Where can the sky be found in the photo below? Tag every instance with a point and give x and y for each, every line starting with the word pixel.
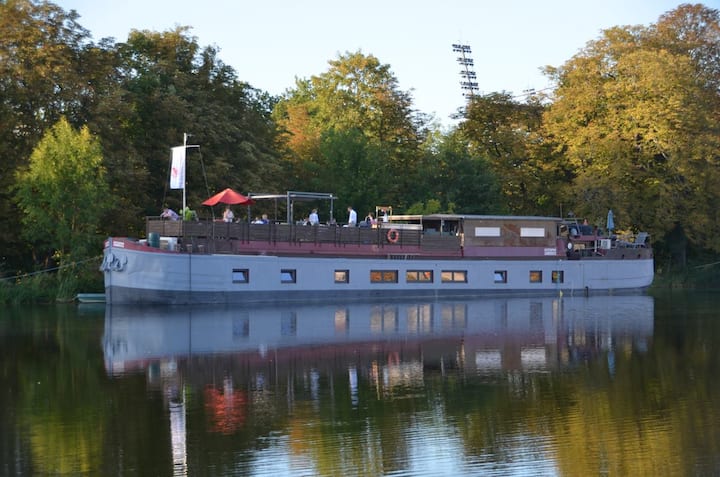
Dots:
pixel 271 43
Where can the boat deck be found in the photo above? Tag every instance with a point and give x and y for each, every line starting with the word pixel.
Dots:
pixel 222 237
pixel 385 240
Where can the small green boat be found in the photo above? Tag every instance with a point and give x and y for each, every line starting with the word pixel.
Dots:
pixel 90 297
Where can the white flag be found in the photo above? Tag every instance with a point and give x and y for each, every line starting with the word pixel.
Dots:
pixel 177 171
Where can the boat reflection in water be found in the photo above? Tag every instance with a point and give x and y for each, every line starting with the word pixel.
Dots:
pixel 234 355
pixel 492 334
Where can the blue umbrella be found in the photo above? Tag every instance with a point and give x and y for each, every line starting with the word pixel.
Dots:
pixel 610 221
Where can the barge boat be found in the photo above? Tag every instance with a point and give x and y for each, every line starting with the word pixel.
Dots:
pixel 439 255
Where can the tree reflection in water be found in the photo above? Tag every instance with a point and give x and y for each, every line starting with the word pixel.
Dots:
pixel 554 386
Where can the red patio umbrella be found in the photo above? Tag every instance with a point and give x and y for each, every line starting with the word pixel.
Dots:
pixel 229 196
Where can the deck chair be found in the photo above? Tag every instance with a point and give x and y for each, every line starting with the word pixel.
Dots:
pixel 640 239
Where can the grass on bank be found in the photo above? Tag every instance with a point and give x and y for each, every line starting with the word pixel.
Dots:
pixel 701 277
pixel 58 285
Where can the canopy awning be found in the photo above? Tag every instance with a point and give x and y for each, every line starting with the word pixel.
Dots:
pixel 291 196
pixel 229 196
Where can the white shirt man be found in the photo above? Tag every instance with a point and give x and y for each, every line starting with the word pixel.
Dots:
pixel 352 217
pixel 314 219
pixel 228 215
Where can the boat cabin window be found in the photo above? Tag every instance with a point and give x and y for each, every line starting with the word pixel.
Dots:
pixel 500 276
pixel 288 276
pixel 558 276
pixel 240 275
pixel 446 227
pixel 487 231
pixel 453 276
pixel 342 276
pixel 425 276
pixel 383 276
pixel 535 276
pixel 532 232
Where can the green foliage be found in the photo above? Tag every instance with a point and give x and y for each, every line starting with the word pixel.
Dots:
pixel 632 126
pixel 508 135
pixel 467 179
pixel 358 92
pixel 355 166
pixel 432 206
pixel 357 101
pixel 40 288
pixel 63 193
pixel 139 97
pixel 43 76
pixel 635 116
pixel 174 87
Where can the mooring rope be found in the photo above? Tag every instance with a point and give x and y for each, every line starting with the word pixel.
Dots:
pixel 24 275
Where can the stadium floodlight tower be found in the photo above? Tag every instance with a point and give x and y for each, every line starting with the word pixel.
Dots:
pixel 468 83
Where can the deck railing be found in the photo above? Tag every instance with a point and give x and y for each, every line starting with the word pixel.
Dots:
pixel 221 237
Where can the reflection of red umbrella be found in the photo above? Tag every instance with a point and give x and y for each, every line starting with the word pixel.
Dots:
pixel 226 409
pixel 229 196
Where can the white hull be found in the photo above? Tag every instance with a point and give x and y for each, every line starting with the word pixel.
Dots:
pixel 143 275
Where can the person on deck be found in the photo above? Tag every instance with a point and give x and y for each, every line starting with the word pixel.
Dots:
pixel 168 213
pixel 228 215
pixel 352 217
pixel 314 219
pixel 189 214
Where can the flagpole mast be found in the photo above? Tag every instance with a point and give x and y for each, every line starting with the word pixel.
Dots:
pixel 184 178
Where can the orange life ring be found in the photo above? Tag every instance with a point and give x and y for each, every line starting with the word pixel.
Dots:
pixel 393 236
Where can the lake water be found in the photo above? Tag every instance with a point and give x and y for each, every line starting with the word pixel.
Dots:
pixel 563 386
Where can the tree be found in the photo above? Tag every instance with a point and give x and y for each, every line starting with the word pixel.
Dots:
pixel 692 31
pixel 452 179
pixel 635 117
pixel 470 184
pixel 169 86
pixel 355 166
pixel 508 135
pixel 43 53
pixel 63 195
pixel 360 94
pixel 139 96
